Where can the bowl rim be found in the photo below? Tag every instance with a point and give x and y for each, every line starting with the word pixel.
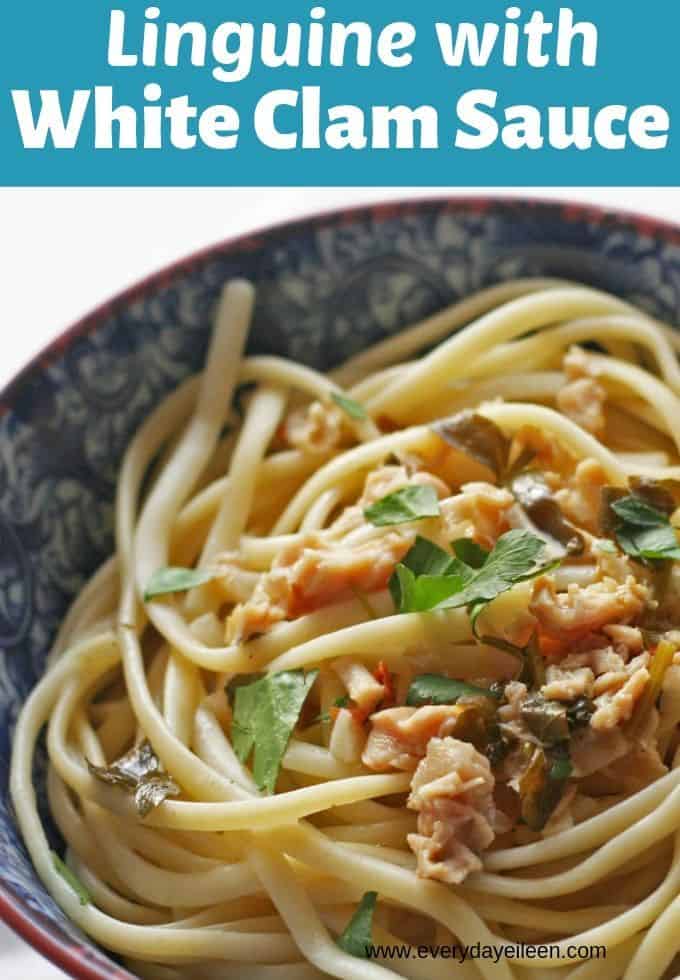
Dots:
pixel 31 925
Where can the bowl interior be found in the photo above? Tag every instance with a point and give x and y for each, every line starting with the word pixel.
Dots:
pixel 327 287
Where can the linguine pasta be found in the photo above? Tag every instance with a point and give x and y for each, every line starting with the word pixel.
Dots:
pixel 383 655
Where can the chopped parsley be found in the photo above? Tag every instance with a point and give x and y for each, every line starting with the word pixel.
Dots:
pixel 408 504
pixel 343 702
pixel 429 579
pixel 357 936
pixel 560 769
pixel 175 579
pixel 469 552
pixel 71 879
pixel 644 532
pixel 351 408
pixel 265 714
pixel 436 689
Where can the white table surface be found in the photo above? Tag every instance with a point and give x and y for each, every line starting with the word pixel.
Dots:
pixel 64 251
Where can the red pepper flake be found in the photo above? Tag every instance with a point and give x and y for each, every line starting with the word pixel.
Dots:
pixel 384 677
pixel 359 714
pixel 387 424
pixel 280 440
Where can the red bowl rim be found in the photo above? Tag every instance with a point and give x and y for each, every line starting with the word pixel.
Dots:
pixel 33 926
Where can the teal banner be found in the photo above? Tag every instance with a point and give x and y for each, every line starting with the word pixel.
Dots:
pixel 257 92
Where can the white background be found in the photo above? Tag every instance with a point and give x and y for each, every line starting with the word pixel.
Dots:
pixel 64 251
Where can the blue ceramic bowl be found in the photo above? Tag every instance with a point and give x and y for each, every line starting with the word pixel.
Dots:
pixel 327 287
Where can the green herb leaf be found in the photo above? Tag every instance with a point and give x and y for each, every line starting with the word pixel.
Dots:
pixel 435 689
pixel 634 511
pixel 643 531
pixel 607 546
pixel 561 768
pixel 357 937
pixel 350 407
pixel 342 702
pixel 427 558
pixel 423 593
pixel 661 661
pixel 469 551
pixel 607 518
pixel 139 772
pixel 475 609
pixel 240 680
pixel 512 560
pixel 71 879
pixel 265 714
pixel 408 504
pixel 660 543
pixel 167 580
pixel 424 559
pixel 457 584
pixel 539 791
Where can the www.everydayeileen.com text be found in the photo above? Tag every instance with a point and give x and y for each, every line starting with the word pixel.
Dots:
pixel 487 951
